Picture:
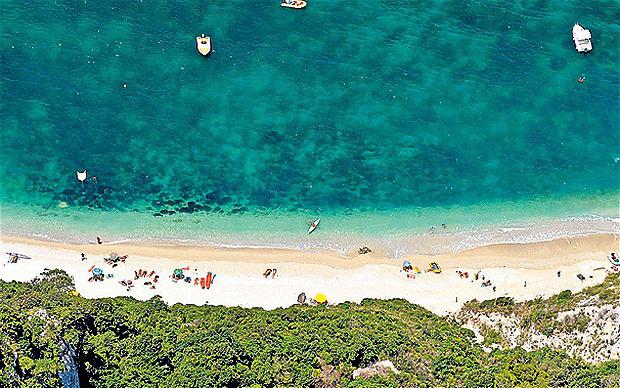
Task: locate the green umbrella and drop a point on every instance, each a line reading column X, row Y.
column 178, row 272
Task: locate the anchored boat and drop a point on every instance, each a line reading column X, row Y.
column 81, row 175
column 296, row 4
column 582, row 38
column 203, row 44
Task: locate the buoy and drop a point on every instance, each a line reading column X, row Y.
column 124, row 85
column 81, row 176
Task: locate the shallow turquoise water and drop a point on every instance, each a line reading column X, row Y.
column 355, row 108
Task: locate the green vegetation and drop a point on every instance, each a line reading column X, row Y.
column 122, row 342
column 541, row 314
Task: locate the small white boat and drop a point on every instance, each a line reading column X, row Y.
column 582, row 38
column 314, row 225
column 81, row 176
column 203, row 44
column 296, row 4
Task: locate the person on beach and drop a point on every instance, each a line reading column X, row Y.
column 84, row 257
column 559, row 273
column 525, row 284
column 99, row 240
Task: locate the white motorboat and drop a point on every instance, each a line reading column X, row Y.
column 203, row 44
column 582, row 38
column 314, row 225
column 296, row 4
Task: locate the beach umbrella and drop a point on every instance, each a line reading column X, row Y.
column 18, row 255
column 321, row 298
column 97, row 271
column 178, row 272
column 406, row 263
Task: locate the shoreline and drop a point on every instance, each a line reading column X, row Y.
column 398, row 234
column 239, row 280
column 513, row 255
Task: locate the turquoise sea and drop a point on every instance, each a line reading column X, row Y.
column 382, row 118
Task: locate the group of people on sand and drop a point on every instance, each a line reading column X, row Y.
column 150, row 279
column 127, row 283
column 97, row 277
column 477, row 276
column 144, row 274
column 364, row 250
column 114, row 259
column 153, row 278
column 408, row 268
column 273, row 272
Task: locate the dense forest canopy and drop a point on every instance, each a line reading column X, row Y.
column 122, row 342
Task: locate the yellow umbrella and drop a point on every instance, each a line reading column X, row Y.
column 321, row 298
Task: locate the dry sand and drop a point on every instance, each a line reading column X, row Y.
column 239, row 280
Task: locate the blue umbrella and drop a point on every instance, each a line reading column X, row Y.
column 97, row 271
column 406, row 263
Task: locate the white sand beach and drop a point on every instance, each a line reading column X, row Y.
column 239, row 280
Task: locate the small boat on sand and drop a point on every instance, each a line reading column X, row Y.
column 296, row 4
column 434, row 267
column 313, row 225
column 203, row 44
column 582, row 38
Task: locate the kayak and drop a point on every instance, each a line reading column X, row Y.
column 209, row 280
column 314, row 225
